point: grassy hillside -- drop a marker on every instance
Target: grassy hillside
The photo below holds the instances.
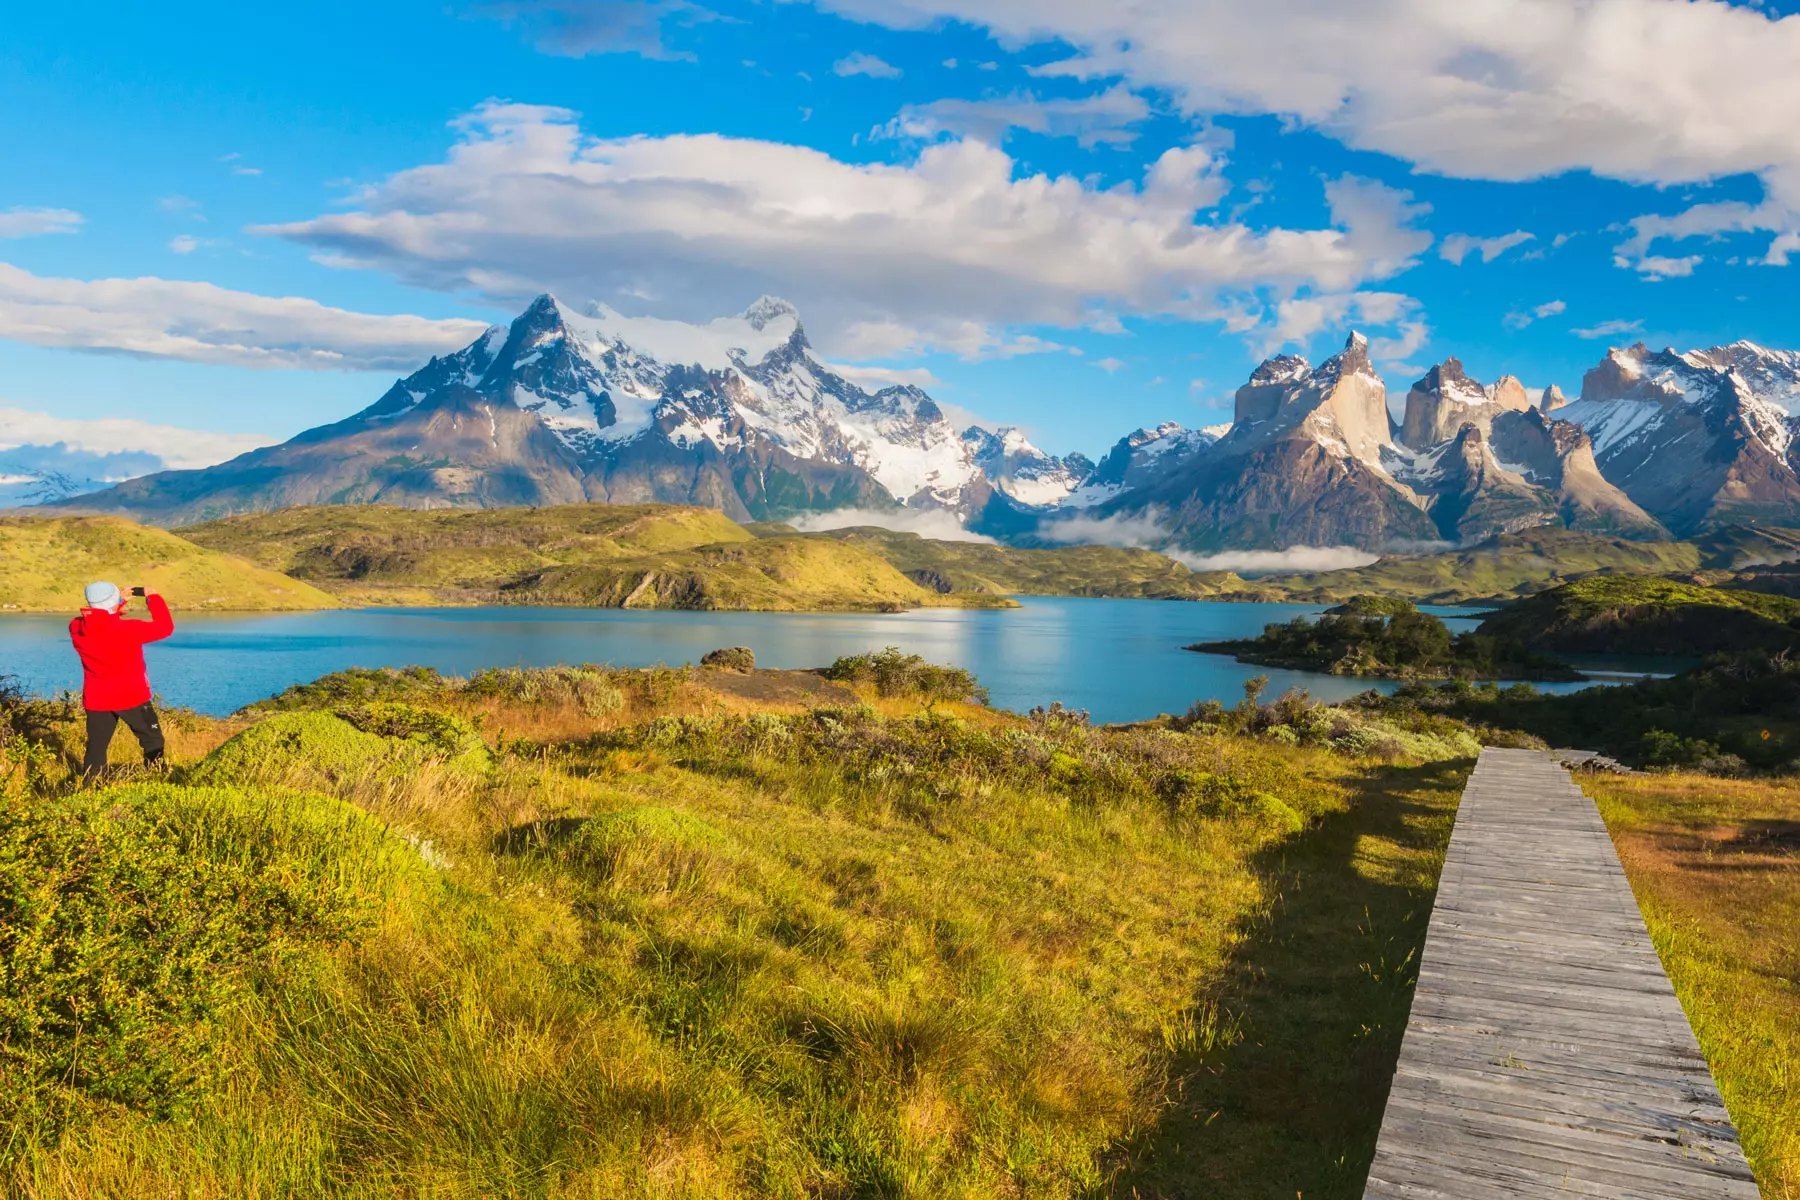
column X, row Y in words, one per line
column 641, row 556
column 1512, row 564
column 659, row 933
column 1713, row 864
column 45, row 562
column 955, row 567
column 1647, row 615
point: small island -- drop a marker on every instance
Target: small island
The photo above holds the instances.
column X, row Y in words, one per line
column 1380, row 637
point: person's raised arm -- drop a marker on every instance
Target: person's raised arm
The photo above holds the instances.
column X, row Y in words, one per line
column 159, row 626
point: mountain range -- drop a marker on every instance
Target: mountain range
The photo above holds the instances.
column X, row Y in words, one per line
column 741, row 414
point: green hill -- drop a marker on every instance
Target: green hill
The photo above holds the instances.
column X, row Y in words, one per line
column 635, row 556
column 1646, row 615
column 958, row 567
column 45, row 561
column 1509, row 565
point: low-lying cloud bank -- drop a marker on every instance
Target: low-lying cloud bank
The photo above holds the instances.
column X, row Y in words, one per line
column 1276, row 562
column 1147, row 532
column 932, row 523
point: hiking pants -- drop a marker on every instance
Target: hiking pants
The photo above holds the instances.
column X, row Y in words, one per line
column 141, row 721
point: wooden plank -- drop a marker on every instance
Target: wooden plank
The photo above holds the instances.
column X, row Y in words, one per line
column 1546, row 1053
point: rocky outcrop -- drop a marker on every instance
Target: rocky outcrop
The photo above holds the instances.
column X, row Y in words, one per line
column 1445, row 400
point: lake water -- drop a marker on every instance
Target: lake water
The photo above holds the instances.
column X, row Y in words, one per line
column 1119, row 659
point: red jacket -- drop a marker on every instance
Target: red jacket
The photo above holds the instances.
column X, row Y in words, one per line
column 113, row 677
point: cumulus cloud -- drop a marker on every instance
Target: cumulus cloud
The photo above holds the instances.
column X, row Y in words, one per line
column 1104, row 118
column 932, row 523
column 1515, row 89
column 1507, row 90
column 1607, row 329
column 948, row 251
column 865, row 64
column 198, row 322
column 1457, row 246
column 1297, row 321
column 32, row 222
column 1110, row 365
column 578, row 28
column 177, row 449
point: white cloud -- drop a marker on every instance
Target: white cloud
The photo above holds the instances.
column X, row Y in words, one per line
column 1270, row 562
column 198, row 322
column 179, row 449
column 1457, row 246
column 1110, row 365
column 1611, row 328
column 874, row 378
column 932, row 523
column 950, row 250
column 1655, row 267
column 1142, row 532
column 1511, row 89
column 1146, row 531
column 865, row 64
column 1413, row 336
column 1296, row 321
column 32, row 222
column 1104, row 118
column 1521, row 320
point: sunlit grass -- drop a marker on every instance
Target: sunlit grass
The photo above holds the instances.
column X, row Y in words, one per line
column 1715, row 865
column 694, row 943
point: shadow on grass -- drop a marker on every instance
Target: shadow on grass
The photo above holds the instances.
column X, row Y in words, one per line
column 1322, row 984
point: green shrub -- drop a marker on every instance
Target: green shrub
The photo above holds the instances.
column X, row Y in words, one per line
column 132, row 919
column 591, row 688
column 898, row 675
column 439, row 732
column 358, row 685
column 731, row 658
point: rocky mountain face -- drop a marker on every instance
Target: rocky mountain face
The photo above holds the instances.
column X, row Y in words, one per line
column 1484, row 460
column 1698, row 440
column 738, row 414
column 1300, row 466
column 742, row 415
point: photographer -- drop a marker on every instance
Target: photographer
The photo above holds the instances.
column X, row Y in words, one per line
column 115, row 685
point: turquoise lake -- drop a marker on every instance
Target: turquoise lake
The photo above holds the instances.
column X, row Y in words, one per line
column 1119, row 659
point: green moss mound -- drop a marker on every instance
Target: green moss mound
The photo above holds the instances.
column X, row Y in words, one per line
column 305, row 742
column 132, row 920
column 437, row 732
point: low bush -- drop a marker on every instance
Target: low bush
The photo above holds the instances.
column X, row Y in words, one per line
column 730, row 658
column 896, row 675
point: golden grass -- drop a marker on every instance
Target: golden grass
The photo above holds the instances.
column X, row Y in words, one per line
column 665, row 968
column 1715, row 865
column 45, row 561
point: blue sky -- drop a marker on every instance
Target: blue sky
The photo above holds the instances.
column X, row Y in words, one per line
column 1064, row 217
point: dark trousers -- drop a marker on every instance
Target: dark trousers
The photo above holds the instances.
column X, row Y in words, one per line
column 141, row 720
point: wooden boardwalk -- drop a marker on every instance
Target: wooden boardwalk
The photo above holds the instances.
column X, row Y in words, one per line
column 1546, row 1054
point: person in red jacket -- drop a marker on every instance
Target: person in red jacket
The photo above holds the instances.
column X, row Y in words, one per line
column 115, row 685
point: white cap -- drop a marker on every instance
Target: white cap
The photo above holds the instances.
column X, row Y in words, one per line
column 103, row 595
